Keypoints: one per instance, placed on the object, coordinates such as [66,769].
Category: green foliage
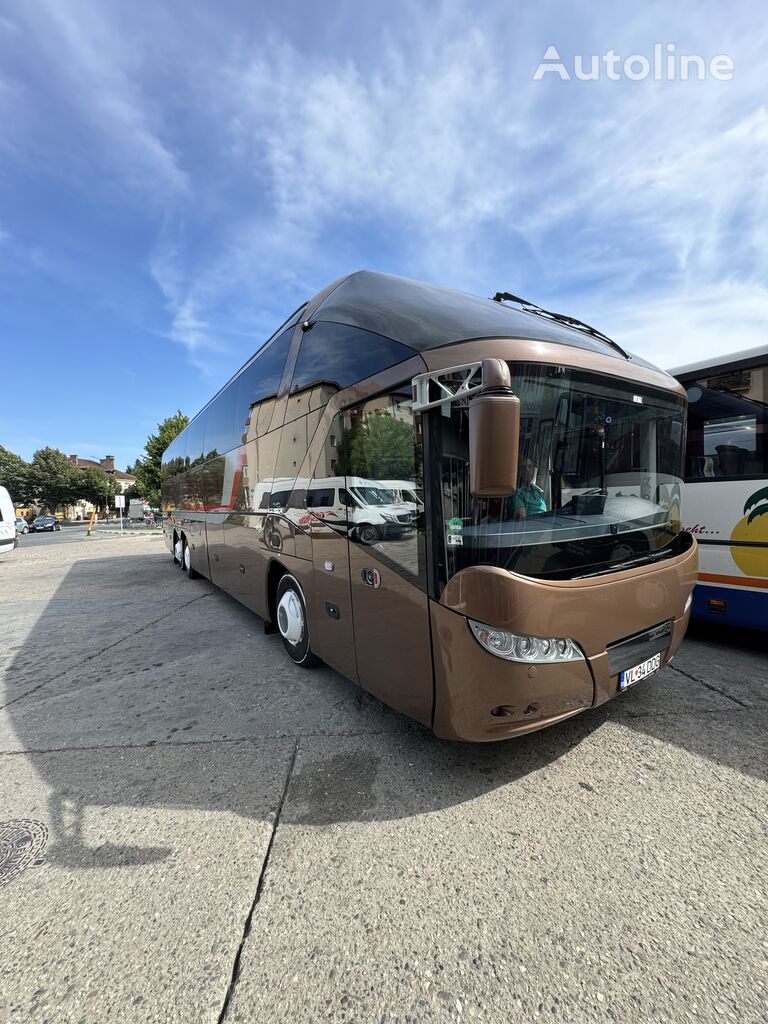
[131,492]
[97,487]
[15,477]
[55,481]
[52,481]
[379,447]
[147,470]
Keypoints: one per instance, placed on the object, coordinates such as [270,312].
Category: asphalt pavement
[199,831]
[76,532]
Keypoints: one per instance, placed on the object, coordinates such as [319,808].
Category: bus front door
[392,635]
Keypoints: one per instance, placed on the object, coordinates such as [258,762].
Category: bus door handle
[371,577]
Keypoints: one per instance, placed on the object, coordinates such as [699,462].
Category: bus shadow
[191,706]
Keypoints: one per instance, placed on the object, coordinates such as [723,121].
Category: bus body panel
[471,683]
[737,604]
[214,542]
[525,350]
[595,613]
[246,560]
[392,635]
[725,494]
[733,578]
[329,599]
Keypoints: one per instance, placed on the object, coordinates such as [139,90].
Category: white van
[8,537]
[406,491]
[365,508]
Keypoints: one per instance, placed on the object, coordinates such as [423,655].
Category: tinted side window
[194,440]
[379,442]
[338,355]
[173,459]
[168,456]
[219,424]
[257,387]
[728,425]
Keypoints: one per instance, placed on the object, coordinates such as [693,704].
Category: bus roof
[719,364]
[423,315]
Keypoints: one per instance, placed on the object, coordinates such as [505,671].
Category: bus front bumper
[481,697]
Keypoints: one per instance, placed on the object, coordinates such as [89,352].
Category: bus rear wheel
[187,562]
[178,551]
[292,622]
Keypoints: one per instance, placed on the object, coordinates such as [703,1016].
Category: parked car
[43,524]
[21,525]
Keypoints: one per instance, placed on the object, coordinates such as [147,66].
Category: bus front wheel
[178,551]
[292,622]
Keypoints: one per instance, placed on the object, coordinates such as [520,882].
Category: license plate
[633,675]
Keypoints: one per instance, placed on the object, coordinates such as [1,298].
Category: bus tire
[291,615]
[178,550]
[187,564]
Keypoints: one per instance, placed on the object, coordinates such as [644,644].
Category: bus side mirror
[494,434]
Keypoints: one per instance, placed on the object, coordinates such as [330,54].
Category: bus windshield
[600,471]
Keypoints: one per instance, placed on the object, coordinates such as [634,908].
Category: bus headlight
[520,647]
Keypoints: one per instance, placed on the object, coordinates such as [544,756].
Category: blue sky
[175,178]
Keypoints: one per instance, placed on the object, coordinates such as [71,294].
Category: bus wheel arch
[274,575]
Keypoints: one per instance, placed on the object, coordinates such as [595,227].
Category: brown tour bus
[541,571]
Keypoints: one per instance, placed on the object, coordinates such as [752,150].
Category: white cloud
[680,328]
[653,195]
[97,72]
[429,151]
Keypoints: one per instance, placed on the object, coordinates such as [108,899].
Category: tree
[97,486]
[130,493]
[55,481]
[15,477]
[147,470]
[379,447]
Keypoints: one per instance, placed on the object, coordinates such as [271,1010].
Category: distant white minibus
[8,538]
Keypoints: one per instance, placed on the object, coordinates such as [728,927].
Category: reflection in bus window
[728,425]
[257,387]
[379,443]
[320,497]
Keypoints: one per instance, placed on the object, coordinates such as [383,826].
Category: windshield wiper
[560,318]
[652,556]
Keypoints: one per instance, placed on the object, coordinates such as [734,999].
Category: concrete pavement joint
[152,744]
[709,686]
[96,654]
[259,888]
